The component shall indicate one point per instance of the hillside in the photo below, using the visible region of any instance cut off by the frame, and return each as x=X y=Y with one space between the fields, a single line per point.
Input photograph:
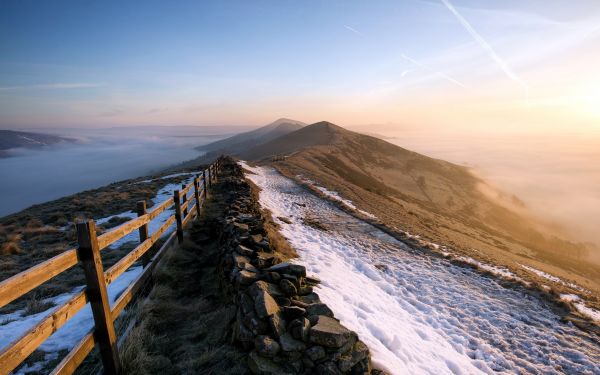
x=10 y=139
x=252 y=138
x=438 y=200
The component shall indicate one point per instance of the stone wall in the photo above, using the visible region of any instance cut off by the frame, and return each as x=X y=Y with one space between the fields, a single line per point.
x=280 y=319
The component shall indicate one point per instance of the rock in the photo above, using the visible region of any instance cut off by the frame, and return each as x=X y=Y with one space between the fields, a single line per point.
x=293 y=312
x=327 y=368
x=240 y=228
x=358 y=353
x=310 y=298
x=305 y=290
x=264 y=366
x=330 y=333
x=293 y=279
x=304 y=305
x=308 y=363
x=277 y=324
x=315 y=353
x=264 y=304
x=272 y=289
x=246 y=303
x=265 y=260
x=245 y=251
x=239 y=260
x=245 y=277
x=289 y=268
x=254 y=324
x=256 y=238
x=290 y=344
x=266 y=346
x=274 y=277
x=312 y=280
x=300 y=329
x=319 y=309
x=288 y=288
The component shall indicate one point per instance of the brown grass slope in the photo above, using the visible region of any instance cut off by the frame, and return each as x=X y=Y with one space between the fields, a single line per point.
x=434 y=198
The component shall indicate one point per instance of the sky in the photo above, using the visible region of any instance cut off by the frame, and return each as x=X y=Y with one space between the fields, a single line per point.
x=493 y=65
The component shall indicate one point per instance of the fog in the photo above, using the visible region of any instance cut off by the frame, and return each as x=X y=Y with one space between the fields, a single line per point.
x=99 y=157
x=556 y=176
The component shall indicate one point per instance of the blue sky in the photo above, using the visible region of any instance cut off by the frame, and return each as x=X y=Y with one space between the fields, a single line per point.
x=92 y=63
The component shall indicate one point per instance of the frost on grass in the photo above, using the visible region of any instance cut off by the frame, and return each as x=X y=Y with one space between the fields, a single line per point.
x=416 y=312
x=14 y=324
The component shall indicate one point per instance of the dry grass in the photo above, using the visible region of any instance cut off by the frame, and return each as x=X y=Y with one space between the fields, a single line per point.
x=184 y=324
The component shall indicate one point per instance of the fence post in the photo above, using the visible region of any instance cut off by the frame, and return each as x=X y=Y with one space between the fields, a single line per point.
x=178 y=216
x=204 y=182
x=197 y=194
x=141 y=211
x=184 y=202
x=104 y=330
x=209 y=177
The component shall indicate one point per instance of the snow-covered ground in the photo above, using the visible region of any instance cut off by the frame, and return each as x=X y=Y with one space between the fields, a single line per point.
x=13 y=325
x=419 y=313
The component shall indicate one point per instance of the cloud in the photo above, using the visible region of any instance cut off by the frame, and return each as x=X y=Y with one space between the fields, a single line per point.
x=440 y=74
x=354 y=30
x=485 y=45
x=52 y=86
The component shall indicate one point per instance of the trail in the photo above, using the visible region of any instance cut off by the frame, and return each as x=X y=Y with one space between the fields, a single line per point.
x=419 y=313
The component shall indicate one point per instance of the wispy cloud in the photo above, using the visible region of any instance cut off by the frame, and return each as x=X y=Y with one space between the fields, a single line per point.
x=485 y=45
x=354 y=30
x=52 y=86
x=438 y=73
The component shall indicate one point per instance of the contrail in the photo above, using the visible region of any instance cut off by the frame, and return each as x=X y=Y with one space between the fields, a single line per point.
x=354 y=30
x=445 y=76
x=485 y=45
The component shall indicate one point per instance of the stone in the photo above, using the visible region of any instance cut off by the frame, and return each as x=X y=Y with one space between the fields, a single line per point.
x=288 y=288
x=264 y=366
x=300 y=329
x=240 y=228
x=265 y=260
x=256 y=238
x=312 y=280
x=266 y=346
x=254 y=324
x=246 y=303
x=272 y=289
x=239 y=260
x=274 y=277
x=293 y=312
x=330 y=333
x=290 y=344
x=315 y=353
x=245 y=251
x=310 y=298
x=277 y=324
x=319 y=309
x=246 y=277
x=264 y=304
x=327 y=368
x=308 y=363
x=293 y=279
x=359 y=352
x=305 y=290
x=289 y=268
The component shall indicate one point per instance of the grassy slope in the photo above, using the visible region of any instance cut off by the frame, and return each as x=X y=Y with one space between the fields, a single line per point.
x=436 y=199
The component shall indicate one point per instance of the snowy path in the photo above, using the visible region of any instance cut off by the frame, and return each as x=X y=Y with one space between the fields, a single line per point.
x=418 y=313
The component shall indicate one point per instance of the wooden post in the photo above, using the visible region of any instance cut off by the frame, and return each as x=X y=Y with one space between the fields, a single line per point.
x=184 y=202
x=104 y=330
x=178 y=216
x=197 y=194
x=204 y=182
x=141 y=211
x=209 y=177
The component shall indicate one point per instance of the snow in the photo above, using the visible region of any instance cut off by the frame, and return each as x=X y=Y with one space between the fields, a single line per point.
x=581 y=307
x=420 y=313
x=552 y=278
x=495 y=270
x=333 y=195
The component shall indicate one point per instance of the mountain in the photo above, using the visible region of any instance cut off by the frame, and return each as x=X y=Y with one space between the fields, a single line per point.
x=439 y=200
x=10 y=139
x=253 y=138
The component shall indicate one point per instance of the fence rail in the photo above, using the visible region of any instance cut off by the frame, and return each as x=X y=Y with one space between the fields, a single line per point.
x=88 y=254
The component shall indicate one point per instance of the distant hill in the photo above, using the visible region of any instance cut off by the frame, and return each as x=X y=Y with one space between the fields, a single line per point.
x=247 y=140
x=10 y=139
x=419 y=194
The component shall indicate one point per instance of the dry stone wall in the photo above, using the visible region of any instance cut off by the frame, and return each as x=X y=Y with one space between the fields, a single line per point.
x=280 y=319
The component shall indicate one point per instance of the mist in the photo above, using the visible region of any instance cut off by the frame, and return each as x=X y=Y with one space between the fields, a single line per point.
x=99 y=157
x=557 y=176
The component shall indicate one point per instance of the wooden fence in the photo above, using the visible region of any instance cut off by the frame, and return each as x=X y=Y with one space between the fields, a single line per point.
x=88 y=253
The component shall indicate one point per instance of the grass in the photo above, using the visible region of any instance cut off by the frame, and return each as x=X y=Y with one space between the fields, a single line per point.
x=184 y=323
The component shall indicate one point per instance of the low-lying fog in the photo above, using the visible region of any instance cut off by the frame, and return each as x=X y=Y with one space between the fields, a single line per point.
x=557 y=176
x=98 y=158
